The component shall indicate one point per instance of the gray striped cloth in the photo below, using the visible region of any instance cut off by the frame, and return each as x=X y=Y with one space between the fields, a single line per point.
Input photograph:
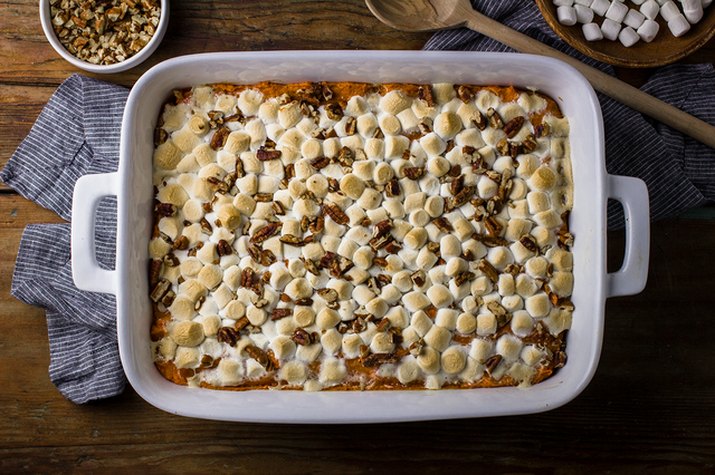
x=679 y=171
x=78 y=133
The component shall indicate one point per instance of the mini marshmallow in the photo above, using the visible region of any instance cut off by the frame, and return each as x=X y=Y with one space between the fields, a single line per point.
x=438 y=338
x=650 y=9
x=669 y=10
x=538 y=305
x=583 y=3
x=628 y=37
x=634 y=19
x=617 y=12
x=678 y=26
x=693 y=10
x=583 y=14
x=610 y=29
x=566 y=15
x=415 y=300
x=440 y=296
x=648 y=30
x=600 y=7
x=563 y=3
x=592 y=32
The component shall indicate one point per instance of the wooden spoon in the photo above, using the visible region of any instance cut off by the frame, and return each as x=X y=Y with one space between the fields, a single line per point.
x=430 y=15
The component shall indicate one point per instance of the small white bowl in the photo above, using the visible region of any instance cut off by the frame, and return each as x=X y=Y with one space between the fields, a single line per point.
x=128 y=63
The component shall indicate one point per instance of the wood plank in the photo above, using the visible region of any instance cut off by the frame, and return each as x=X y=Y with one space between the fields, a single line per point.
x=627 y=411
x=202 y=26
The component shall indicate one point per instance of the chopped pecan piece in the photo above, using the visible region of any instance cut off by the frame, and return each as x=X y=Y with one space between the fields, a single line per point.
x=392 y=247
x=456 y=185
x=529 y=144
x=425 y=125
x=219 y=138
x=227 y=335
x=465 y=93
x=320 y=162
x=265 y=232
x=513 y=126
x=263 y=197
x=216 y=118
x=419 y=278
x=494 y=227
x=168 y=298
x=491 y=363
x=495 y=120
x=154 y=271
x=336 y=213
x=302 y=337
x=503 y=147
x=223 y=248
x=383 y=325
x=165 y=209
x=346 y=156
x=359 y=324
x=392 y=188
x=292 y=240
x=463 y=277
x=333 y=185
x=416 y=347
x=443 y=224
x=317 y=225
x=350 y=126
x=279 y=313
x=414 y=173
x=160 y=136
x=247 y=277
x=479 y=121
x=488 y=269
x=542 y=130
x=377 y=359
x=267 y=257
x=329 y=295
x=334 y=111
x=490 y=241
x=261 y=356
x=529 y=243
x=159 y=290
x=382 y=228
x=463 y=196
x=378 y=242
x=170 y=260
x=264 y=154
x=241 y=323
x=206 y=226
x=425 y=93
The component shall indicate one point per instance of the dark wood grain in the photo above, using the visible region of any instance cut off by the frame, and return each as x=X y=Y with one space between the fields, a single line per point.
x=650 y=407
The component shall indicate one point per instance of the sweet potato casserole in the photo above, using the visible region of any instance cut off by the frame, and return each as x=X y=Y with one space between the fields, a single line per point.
x=360 y=236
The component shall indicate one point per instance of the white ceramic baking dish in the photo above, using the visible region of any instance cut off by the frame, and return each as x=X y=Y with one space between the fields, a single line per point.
x=132 y=186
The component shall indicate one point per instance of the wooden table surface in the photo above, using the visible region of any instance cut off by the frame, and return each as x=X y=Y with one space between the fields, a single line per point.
x=650 y=406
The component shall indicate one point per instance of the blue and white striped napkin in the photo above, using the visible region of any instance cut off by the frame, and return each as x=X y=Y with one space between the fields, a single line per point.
x=78 y=133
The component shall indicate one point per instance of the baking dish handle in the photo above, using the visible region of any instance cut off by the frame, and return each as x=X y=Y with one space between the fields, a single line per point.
x=632 y=193
x=88 y=192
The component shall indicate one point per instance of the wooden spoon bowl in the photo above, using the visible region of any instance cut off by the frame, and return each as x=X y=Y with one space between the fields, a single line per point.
x=664 y=49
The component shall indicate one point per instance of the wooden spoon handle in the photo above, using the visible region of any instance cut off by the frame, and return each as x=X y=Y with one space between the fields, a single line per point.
x=615 y=88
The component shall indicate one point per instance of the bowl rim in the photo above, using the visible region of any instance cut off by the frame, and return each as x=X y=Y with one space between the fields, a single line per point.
x=132 y=61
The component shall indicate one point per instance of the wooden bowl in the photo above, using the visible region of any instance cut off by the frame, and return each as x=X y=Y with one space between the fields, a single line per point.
x=664 y=49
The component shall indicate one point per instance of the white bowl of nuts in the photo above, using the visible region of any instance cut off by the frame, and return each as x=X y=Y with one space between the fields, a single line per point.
x=104 y=36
